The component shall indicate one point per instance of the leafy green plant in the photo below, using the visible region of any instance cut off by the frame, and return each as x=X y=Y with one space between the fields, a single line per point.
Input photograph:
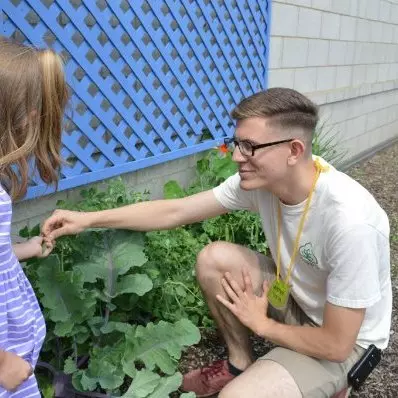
x=89 y=290
x=326 y=145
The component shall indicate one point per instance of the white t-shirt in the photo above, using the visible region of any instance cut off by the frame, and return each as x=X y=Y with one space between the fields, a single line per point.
x=344 y=252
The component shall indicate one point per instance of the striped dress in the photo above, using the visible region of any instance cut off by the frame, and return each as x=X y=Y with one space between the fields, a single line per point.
x=22 y=327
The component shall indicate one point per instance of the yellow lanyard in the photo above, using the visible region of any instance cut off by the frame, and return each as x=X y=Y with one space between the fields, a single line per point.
x=319 y=169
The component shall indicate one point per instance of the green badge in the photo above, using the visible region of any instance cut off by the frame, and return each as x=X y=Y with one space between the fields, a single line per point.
x=278 y=294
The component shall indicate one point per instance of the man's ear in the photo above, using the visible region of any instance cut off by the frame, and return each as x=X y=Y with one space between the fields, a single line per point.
x=297 y=150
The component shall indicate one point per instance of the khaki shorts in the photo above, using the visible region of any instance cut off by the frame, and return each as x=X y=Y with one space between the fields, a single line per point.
x=315 y=378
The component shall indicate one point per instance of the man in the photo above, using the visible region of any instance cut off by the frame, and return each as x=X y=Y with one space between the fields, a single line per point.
x=326 y=294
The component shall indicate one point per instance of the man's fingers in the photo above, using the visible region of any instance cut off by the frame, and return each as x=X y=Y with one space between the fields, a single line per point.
x=56 y=233
x=227 y=304
x=234 y=285
x=49 y=225
x=247 y=282
x=230 y=293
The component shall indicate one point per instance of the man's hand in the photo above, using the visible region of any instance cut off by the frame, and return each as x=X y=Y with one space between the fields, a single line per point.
x=64 y=222
x=249 y=308
x=13 y=370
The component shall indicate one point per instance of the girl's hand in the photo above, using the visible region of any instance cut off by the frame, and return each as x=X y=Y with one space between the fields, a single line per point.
x=40 y=246
x=13 y=370
x=249 y=308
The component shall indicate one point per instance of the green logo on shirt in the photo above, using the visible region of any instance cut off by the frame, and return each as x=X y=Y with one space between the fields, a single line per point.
x=307 y=254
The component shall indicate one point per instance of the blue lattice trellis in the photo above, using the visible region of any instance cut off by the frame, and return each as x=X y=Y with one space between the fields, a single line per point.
x=151 y=80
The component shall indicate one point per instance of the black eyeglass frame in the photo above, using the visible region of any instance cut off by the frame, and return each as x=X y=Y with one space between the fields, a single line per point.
x=230 y=140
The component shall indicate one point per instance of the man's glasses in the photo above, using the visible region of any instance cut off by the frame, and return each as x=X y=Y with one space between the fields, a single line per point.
x=246 y=148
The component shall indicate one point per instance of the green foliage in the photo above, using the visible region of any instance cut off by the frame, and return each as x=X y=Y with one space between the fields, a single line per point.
x=326 y=145
x=90 y=289
x=171 y=259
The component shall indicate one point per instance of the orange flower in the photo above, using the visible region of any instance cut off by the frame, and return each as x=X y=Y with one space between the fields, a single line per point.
x=223 y=148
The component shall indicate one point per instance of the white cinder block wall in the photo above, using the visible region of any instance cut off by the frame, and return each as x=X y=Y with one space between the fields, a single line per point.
x=344 y=55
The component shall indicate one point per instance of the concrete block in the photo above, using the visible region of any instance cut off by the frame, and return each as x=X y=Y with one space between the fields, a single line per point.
x=388 y=33
x=295 y=52
x=284 y=20
x=394 y=13
x=306 y=3
x=376 y=31
x=319 y=97
x=22 y=211
x=354 y=7
x=392 y=73
x=359 y=53
x=360 y=124
x=362 y=5
x=385 y=10
x=325 y=5
x=318 y=51
x=363 y=31
x=349 y=55
x=373 y=9
x=305 y=79
x=309 y=24
x=281 y=78
x=275 y=55
x=358 y=75
x=372 y=73
x=383 y=72
x=326 y=78
x=340 y=111
x=373 y=121
x=343 y=76
x=330 y=26
x=341 y=7
x=348 y=28
x=336 y=95
x=337 y=51
x=381 y=53
x=351 y=146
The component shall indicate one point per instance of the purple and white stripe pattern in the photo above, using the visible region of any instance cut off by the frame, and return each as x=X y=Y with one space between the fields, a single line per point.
x=22 y=327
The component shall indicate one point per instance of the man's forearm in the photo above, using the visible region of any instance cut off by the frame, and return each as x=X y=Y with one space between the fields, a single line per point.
x=144 y=216
x=307 y=340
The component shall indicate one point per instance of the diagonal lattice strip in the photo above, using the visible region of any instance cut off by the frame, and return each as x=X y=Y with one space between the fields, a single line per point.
x=151 y=80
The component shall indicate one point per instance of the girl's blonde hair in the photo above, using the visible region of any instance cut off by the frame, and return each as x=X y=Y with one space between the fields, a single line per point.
x=33 y=97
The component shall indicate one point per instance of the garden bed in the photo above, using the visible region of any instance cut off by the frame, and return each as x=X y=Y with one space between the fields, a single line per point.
x=379 y=176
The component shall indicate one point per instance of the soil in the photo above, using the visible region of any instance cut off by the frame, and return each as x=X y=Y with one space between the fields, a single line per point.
x=379 y=175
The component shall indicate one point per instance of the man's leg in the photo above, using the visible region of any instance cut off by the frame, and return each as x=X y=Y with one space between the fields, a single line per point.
x=283 y=373
x=213 y=261
x=263 y=379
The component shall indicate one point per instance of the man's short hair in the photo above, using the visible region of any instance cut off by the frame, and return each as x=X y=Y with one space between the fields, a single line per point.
x=283 y=108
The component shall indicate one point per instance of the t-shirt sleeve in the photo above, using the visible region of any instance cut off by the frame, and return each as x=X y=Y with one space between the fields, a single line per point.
x=353 y=259
x=233 y=197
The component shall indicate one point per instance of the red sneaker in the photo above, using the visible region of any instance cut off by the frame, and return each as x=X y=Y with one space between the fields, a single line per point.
x=208 y=381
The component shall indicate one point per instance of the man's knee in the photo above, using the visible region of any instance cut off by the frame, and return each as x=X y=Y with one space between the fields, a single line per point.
x=211 y=261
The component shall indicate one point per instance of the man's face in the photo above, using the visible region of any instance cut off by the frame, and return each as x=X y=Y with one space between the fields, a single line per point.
x=268 y=166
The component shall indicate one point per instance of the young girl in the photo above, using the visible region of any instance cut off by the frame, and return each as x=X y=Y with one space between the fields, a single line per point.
x=33 y=96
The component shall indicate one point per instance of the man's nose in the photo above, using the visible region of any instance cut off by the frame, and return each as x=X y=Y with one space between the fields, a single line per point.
x=237 y=155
